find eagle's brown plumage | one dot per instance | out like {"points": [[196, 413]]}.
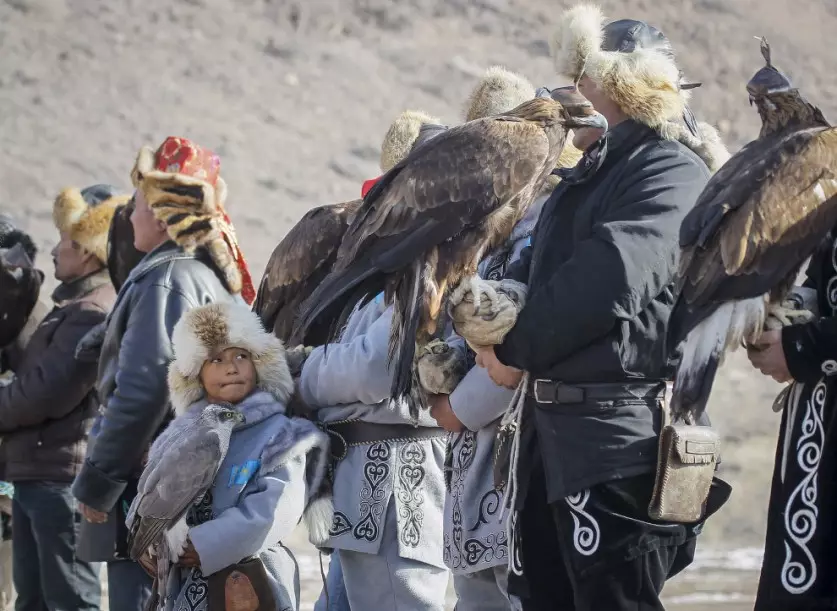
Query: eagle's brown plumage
{"points": [[756, 222], [427, 224], [298, 264]]}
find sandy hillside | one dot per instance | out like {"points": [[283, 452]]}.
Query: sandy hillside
{"points": [[296, 96]]}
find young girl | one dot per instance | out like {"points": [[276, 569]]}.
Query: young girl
{"points": [[272, 469]]}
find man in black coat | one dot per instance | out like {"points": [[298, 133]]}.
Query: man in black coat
{"points": [[600, 275]]}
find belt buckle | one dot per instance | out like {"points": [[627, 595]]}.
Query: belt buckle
{"points": [[537, 394]]}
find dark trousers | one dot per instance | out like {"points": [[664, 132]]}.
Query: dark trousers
{"points": [[129, 586], [598, 550], [46, 572]]}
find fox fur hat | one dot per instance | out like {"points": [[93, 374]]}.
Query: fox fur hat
{"points": [[634, 64], [634, 67], [204, 331], [85, 215], [181, 182]]}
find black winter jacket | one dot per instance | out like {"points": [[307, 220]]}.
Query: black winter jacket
{"points": [[600, 272]]}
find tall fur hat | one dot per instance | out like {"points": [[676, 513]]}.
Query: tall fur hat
{"points": [[631, 61], [401, 135], [498, 91], [86, 215], [202, 332], [184, 189]]}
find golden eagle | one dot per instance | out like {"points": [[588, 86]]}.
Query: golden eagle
{"points": [[429, 221], [757, 221], [308, 251]]}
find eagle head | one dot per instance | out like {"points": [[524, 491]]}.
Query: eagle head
{"points": [[550, 113], [767, 82], [223, 415]]}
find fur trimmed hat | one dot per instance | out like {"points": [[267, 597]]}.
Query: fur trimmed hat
{"points": [[85, 215], [498, 91], [631, 61], [203, 331], [402, 135], [184, 189]]}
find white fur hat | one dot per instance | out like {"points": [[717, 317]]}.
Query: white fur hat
{"points": [[205, 330], [634, 63]]}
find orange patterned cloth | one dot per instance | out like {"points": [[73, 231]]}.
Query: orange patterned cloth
{"points": [[182, 156]]}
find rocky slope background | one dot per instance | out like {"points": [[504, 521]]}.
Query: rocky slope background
{"points": [[296, 96]]}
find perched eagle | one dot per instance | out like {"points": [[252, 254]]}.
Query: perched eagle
{"points": [[308, 251], [757, 221], [429, 221]]}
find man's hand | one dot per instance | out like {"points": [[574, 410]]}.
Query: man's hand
{"points": [[500, 374], [91, 515], [190, 556], [768, 356], [442, 412]]}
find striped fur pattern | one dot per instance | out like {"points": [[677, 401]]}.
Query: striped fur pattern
{"points": [[193, 211]]}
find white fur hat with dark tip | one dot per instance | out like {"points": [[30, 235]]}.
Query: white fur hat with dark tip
{"points": [[401, 135], [203, 331], [643, 80], [498, 91]]}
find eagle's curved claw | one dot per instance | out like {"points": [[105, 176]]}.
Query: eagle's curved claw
{"points": [[489, 328], [478, 289], [440, 368], [785, 315]]}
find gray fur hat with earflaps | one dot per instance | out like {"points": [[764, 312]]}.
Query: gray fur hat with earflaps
{"points": [[204, 331]]}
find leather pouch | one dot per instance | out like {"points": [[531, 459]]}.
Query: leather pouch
{"points": [[685, 468], [241, 587]]}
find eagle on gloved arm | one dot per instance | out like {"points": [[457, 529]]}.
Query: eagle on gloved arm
{"points": [[308, 251], [429, 221], [756, 223]]}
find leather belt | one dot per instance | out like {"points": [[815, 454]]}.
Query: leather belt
{"points": [[559, 393], [348, 433]]}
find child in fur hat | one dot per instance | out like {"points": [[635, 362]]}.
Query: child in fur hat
{"points": [[272, 469]]}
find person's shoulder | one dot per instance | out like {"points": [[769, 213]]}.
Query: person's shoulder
{"points": [[674, 152]]}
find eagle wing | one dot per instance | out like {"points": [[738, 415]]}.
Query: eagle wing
{"points": [[761, 215], [298, 264], [181, 476], [443, 189]]}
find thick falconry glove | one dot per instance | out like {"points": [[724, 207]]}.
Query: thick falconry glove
{"points": [[440, 368], [488, 328]]}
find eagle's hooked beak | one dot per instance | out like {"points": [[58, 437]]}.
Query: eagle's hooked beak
{"points": [[593, 120]]}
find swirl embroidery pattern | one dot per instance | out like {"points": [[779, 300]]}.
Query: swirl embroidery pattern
{"points": [[373, 493], [586, 533], [411, 473], [799, 571]]}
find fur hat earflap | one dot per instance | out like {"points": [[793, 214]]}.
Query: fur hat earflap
{"points": [[86, 216], [641, 77], [707, 144], [401, 135], [181, 182], [203, 331], [498, 91]]}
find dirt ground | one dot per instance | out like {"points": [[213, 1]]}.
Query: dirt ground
{"points": [[296, 95]]}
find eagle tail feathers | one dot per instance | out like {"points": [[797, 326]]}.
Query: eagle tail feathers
{"points": [[405, 324], [704, 347]]}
